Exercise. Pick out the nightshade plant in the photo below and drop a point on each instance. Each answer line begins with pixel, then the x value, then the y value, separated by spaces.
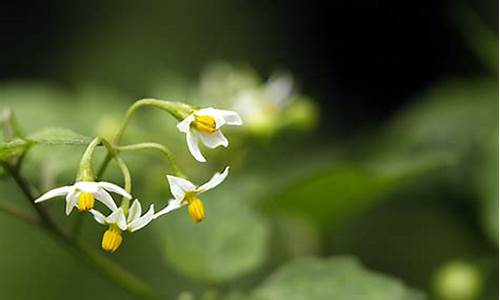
pixel 198 124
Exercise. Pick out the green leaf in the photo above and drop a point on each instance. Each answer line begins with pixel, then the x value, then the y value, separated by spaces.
pixel 336 193
pixel 339 278
pixel 13 149
pixel 58 136
pixel 230 242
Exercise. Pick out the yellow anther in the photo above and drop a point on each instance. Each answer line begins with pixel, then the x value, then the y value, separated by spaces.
pixel 111 239
pixel 85 201
pixel 204 123
pixel 195 208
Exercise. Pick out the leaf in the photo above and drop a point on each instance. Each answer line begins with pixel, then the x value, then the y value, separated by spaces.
pixel 58 136
pixel 339 278
pixel 230 242
pixel 335 193
pixel 13 149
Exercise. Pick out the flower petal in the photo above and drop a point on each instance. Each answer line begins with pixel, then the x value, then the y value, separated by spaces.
pixel 98 216
pixel 173 204
pixel 231 117
pixel 55 193
pixel 185 124
pixel 114 188
pixel 106 199
pixel 213 140
pixel 192 142
pixel 214 181
pixel 134 211
pixel 142 221
pixel 179 186
pixel 221 116
pixel 117 217
pixel 87 186
pixel 71 199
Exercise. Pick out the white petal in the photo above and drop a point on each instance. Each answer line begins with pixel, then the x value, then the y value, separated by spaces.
pixel 179 186
pixel 279 88
pixel 221 116
pixel 185 124
pixel 55 193
pixel 114 188
pixel 142 221
pixel 98 216
pixel 134 211
pixel 173 204
pixel 214 181
pixel 192 142
pixel 106 199
pixel 71 199
pixel 118 218
pixel 213 140
pixel 87 186
pixel 231 117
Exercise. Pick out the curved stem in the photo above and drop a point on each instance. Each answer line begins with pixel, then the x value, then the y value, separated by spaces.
pixel 156 147
pixel 176 109
pixel 127 182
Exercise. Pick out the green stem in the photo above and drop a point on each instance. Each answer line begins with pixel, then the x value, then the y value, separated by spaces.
pixel 21 215
pixel 156 147
pixel 82 252
pixel 179 110
pixel 128 182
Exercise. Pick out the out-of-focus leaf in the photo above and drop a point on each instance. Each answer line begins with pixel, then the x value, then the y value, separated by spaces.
pixel 58 136
pixel 460 117
pixel 487 183
pixel 339 278
pixel 333 194
pixel 13 149
pixel 230 242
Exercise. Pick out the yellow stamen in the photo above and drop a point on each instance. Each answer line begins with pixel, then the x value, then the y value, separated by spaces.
pixel 111 239
pixel 204 123
pixel 196 208
pixel 85 201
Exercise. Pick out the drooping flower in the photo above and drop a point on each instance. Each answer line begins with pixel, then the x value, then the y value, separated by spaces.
pixel 204 125
pixel 118 222
pixel 83 194
pixel 186 193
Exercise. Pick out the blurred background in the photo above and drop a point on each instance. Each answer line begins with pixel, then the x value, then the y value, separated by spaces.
pixel 367 167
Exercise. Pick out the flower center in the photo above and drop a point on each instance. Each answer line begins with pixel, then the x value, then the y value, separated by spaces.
pixel 85 201
pixel 111 239
pixel 196 208
pixel 204 124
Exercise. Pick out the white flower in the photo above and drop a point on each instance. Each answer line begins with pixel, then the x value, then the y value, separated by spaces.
pixel 83 193
pixel 186 193
pixel 204 125
pixel 118 222
pixel 262 108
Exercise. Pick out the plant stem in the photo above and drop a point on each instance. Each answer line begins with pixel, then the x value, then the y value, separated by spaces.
pixel 176 109
pixel 157 147
pixel 19 215
pixel 82 252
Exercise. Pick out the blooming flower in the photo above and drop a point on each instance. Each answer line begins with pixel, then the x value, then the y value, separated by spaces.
pixel 82 194
pixel 186 193
pixel 204 125
pixel 118 222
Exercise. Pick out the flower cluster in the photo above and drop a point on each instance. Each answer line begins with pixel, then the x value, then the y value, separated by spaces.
pixel 199 125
